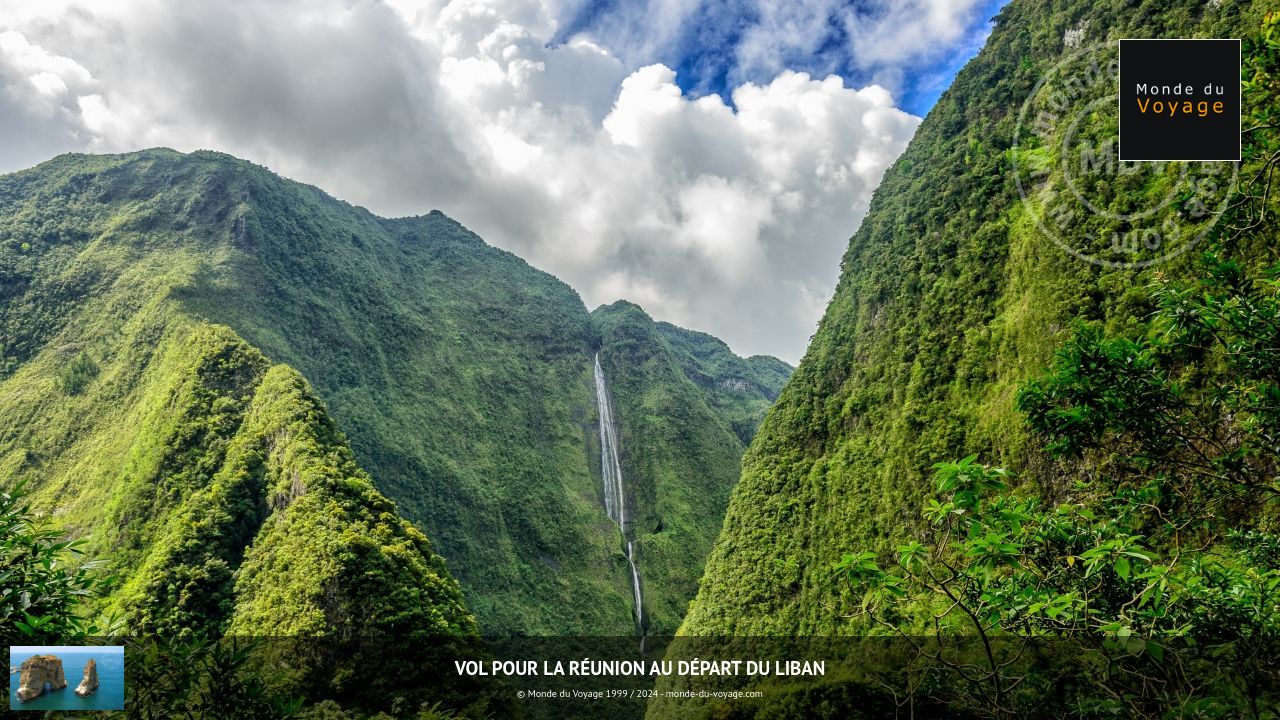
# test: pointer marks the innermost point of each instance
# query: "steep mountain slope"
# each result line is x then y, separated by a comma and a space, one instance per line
461, 375
184, 451
738, 389
681, 398
949, 298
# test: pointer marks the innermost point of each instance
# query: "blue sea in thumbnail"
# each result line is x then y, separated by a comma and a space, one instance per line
110, 693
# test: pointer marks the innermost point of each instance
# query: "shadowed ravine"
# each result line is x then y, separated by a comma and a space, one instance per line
615, 497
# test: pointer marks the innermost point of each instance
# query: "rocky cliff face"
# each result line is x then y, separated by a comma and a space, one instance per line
35, 672
89, 684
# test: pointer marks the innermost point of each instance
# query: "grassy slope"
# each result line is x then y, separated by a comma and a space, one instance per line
184, 452
948, 299
460, 374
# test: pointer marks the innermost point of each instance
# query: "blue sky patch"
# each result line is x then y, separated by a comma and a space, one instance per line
706, 43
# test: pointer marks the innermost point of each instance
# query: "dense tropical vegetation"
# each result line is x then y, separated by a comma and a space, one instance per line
685, 403
1159, 562
950, 299
43, 579
1118, 556
141, 296
219, 381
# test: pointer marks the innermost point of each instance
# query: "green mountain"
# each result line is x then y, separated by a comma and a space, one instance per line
221, 486
950, 298
684, 402
206, 370
739, 390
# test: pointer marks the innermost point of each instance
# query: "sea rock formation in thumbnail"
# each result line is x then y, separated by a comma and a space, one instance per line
89, 684
37, 671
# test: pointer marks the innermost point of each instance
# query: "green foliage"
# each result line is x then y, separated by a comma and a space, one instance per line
334, 555
77, 374
738, 389
268, 529
949, 298
43, 579
287, 536
197, 678
1260, 145
1158, 556
1213, 438
682, 401
1159, 610
460, 376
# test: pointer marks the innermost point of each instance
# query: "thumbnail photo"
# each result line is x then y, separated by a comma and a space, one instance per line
66, 677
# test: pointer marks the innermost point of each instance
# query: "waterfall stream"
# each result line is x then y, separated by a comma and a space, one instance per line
615, 497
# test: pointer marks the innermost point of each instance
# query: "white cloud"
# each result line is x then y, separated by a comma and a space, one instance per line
904, 35
40, 92
725, 219
899, 30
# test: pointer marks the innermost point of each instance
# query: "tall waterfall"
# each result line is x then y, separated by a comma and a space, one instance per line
615, 497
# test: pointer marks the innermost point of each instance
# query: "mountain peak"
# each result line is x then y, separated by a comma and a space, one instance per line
449, 374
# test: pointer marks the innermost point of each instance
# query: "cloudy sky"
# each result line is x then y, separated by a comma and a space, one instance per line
707, 159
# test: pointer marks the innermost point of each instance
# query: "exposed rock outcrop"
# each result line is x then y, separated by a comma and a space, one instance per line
90, 682
37, 671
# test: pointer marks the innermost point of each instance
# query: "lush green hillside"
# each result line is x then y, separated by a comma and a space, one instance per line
950, 298
739, 389
461, 376
192, 461
681, 399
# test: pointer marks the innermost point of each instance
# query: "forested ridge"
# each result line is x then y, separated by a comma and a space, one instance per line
1053, 484
219, 379
950, 300
1022, 471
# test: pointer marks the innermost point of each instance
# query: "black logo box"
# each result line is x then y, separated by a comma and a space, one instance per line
1187, 67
